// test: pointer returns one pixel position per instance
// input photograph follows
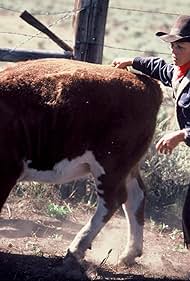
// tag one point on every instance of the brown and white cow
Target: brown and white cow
(61, 120)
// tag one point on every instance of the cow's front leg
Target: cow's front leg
(134, 213)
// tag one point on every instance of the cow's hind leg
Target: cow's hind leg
(107, 204)
(134, 213)
(86, 235)
(83, 241)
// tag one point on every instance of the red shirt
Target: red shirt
(181, 70)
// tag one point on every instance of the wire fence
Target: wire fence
(47, 13)
(68, 14)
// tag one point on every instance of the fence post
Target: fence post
(89, 29)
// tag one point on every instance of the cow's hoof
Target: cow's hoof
(73, 269)
(129, 258)
(128, 261)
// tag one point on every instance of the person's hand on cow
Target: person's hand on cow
(169, 141)
(122, 62)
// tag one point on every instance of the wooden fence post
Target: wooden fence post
(89, 29)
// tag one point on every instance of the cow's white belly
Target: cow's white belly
(65, 170)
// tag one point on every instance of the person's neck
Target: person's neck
(185, 65)
(181, 70)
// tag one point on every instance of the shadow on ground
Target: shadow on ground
(32, 268)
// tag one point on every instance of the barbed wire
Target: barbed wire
(133, 50)
(47, 13)
(143, 11)
(65, 16)
(70, 41)
(68, 14)
(40, 13)
(22, 34)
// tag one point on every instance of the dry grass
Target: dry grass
(130, 29)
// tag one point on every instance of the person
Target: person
(177, 76)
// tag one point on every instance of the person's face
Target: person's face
(180, 52)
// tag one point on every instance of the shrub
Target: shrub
(57, 211)
(166, 176)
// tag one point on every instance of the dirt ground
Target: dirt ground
(32, 245)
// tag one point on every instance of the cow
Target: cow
(61, 120)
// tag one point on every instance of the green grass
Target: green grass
(57, 211)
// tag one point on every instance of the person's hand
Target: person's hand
(122, 62)
(169, 141)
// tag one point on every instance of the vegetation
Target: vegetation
(54, 210)
(166, 176)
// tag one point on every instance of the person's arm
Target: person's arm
(170, 140)
(122, 62)
(187, 136)
(156, 68)
(183, 113)
(152, 66)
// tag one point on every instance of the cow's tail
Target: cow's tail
(186, 219)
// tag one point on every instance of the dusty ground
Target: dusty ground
(32, 246)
